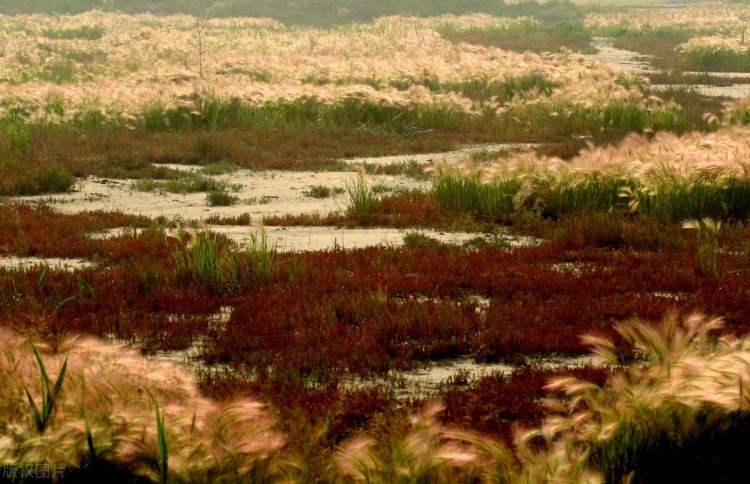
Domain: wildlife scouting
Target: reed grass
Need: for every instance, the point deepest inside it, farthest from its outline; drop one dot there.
(424, 455)
(362, 198)
(49, 395)
(260, 256)
(707, 233)
(470, 194)
(213, 263)
(212, 112)
(689, 398)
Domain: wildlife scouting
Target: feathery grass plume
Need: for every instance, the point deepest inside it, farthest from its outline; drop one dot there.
(737, 112)
(467, 187)
(671, 177)
(104, 424)
(557, 461)
(426, 454)
(432, 452)
(680, 415)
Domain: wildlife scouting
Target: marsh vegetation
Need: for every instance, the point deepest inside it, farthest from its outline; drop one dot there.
(271, 223)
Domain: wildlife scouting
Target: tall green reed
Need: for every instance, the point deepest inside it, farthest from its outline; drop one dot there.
(707, 233)
(361, 199)
(260, 257)
(49, 394)
(200, 257)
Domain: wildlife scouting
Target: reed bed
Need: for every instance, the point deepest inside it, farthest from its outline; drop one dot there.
(671, 177)
(689, 398)
(212, 262)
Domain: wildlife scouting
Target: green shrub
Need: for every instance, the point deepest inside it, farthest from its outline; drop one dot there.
(220, 198)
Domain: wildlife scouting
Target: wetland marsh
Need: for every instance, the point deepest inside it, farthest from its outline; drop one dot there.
(431, 247)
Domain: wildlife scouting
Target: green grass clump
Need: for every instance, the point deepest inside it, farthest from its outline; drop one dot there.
(361, 198)
(322, 191)
(260, 257)
(182, 183)
(669, 177)
(552, 195)
(526, 35)
(417, 240)
(221, 167)
(49, 394)
(707, 232)
(677, 200)
(210, 261)
(85, 32)
(18, 138)
(709, 58)
(467, 192)
(220, 198)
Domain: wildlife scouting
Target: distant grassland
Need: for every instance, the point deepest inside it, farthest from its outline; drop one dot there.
(314, 12)
(109, 94)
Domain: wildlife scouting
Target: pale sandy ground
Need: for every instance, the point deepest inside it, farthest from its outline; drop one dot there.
(636, 63)
(23, 263)
(297, 239)
(448, 157)
(261, 193)
(304, 238)
(627, 60)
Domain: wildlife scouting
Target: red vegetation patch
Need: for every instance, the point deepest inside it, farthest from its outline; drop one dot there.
(363, 311)
(499, 404)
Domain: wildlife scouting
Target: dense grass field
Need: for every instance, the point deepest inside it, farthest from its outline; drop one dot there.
(556, 288)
